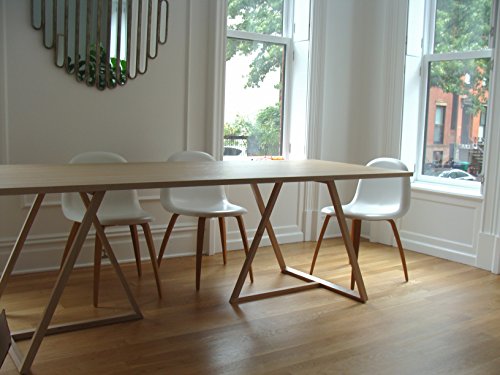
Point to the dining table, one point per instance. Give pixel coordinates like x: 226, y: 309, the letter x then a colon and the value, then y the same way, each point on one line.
x: 92, y: 181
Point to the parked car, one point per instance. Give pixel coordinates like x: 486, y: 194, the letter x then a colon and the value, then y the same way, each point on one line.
x: 231, y: 152
x: 457, y: 174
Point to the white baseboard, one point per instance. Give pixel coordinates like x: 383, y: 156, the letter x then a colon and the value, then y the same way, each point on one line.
x: 43, y: 252
x: 457, y: 252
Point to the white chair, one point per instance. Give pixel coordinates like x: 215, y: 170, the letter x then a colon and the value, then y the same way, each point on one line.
x: 202, y: 202
x: 117, y: 208
x: 375, y: 200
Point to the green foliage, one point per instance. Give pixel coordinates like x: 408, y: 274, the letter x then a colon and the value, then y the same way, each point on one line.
x: 267, y: 130
x: 264, y: 135
x: 462, y: 25
x: 99, y: 72
x: 240, y: 126
x: 258, y: 16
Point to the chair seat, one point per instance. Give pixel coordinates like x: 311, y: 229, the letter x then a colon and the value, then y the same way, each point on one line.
x: 370, y: 212
x: 201, y: 208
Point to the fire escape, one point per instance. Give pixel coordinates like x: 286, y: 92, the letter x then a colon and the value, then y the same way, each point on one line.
x: 476, y: 156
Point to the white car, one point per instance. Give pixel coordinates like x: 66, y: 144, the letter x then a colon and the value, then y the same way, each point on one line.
x: 457, y: 174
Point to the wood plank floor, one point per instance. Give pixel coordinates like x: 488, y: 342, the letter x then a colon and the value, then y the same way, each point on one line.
x: 446, y: 320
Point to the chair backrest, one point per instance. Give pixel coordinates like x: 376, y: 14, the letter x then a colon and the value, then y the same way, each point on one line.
x: 395, y: 191
x: 189, y: 196
x: 113, y: 202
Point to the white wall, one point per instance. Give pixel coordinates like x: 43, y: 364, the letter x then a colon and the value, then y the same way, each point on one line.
x: 353, y: 128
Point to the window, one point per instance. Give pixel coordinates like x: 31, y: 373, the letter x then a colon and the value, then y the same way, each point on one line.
x: 439, y: 124
x: 454, y: 66
x: 258, y: 60
x: 482, y: 125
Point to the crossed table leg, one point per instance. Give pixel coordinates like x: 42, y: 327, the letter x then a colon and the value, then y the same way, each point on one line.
x: 24, y: 362
x: 312, y: 281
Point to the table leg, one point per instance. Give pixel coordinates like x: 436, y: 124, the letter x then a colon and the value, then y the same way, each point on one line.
x: 269, y: 227
x: 355, y: 238
x: 24, y: 362
x: 14, y: 255
x: 264, y: 221
x: 61, y: 283
x: 337, y: 205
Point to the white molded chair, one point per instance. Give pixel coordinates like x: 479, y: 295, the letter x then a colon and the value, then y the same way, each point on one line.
x: 202, y: 202
x: 117, y: 208
x: 375, y: 199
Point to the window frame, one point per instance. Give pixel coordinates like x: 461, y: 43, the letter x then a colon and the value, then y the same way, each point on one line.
x: 286, y: 40
x: 428, y: 56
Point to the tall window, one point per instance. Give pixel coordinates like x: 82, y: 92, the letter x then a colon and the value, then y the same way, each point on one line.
x: 257, y: 62
x: 456, y: 66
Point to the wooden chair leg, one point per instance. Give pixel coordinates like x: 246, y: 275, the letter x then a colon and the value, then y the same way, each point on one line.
x: 222, y: 230
x: 137, y: 249
x: 318, y: 244
x: 97, y: 268
x: 241, y: 226
x: 356, y: 238
x: 152, y: 254
x: 199, y: 249
x: 168, y: 232
x: 400, y: 247
x: 69, y: 242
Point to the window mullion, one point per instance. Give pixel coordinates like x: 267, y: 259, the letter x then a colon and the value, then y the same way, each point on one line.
x: 493, y: 23
x: 288, y: 18
x: 430, y: 22
x: 237, y: 34
x: 482, y: 54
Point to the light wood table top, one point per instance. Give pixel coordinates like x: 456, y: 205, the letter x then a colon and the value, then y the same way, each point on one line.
x: 54, y: 178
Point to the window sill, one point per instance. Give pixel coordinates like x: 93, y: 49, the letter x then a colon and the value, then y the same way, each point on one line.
x: 457, y: 191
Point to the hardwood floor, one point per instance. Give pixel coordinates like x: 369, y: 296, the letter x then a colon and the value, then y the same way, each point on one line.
x: 445, y: 320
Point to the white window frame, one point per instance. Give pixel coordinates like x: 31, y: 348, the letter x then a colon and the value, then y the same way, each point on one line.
x: 427, y: 56
x: 287, y: 41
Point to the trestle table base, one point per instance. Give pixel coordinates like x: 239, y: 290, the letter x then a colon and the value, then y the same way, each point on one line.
x: 22, y: 361
x: 312, y: 281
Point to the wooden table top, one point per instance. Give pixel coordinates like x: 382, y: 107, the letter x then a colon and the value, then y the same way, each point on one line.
x: 54, y: 178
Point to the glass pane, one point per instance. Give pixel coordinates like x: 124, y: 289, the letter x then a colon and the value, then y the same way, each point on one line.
x: 256, y: 16
x: 462, y: 25
x: 456, y: 107
x: 253, y: 120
